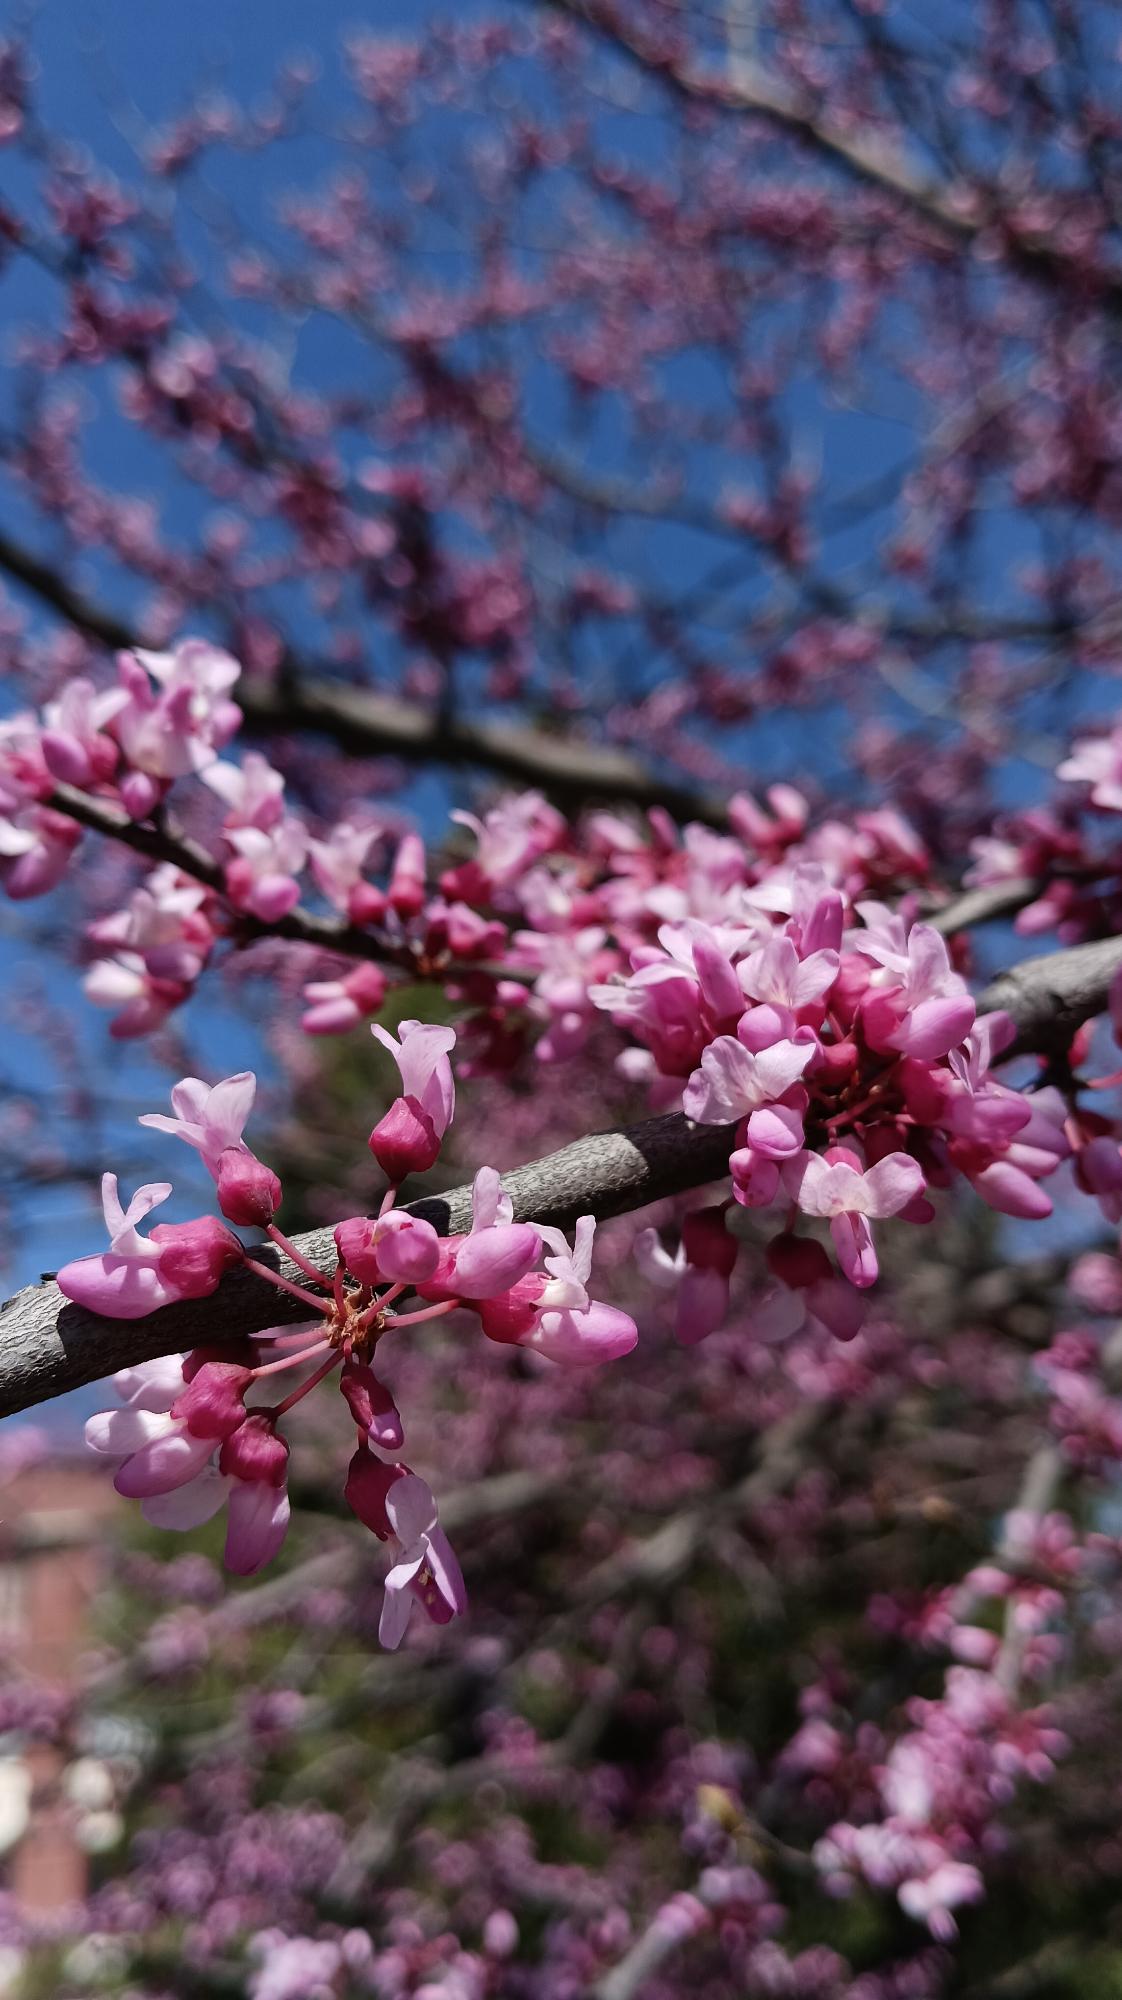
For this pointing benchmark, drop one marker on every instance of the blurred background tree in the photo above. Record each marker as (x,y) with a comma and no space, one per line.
(638,402)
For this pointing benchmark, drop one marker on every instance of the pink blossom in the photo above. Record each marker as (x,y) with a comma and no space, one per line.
(498,1251)
(36,845)
(406,891)
(255,1460)
(511,836)
(262,876)
(208,1117)
(132,1277)
(337,864)
(425,1569)
(408,1138)
(916,1003)
(252,792)
(779,975)
(75,747)
(837,1187)
(178,730)
(553,1314)
(1097,761)
(699,1272)
(731,1083)
(141,1000)
(340,1004)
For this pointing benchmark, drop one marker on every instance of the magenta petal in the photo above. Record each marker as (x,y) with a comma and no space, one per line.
(407,1248)
(446,1570)
(187,1506)
(892,1183)
(703,1301)
(775,1131)
(934,1027)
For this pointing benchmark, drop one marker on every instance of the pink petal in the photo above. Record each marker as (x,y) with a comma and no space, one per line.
(411,1509)
(853,1241)
(163,1465)
(892,1183)
(258,1523)
(492,1260)
(187,1506)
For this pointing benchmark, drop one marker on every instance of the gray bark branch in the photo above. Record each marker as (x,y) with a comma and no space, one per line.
(49,1345)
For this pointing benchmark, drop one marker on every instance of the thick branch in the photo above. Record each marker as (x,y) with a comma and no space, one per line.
(48,1345)
(1050,997)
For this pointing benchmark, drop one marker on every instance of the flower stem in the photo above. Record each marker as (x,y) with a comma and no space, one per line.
(312,1382)
(284,1243)
(290,1360)
(429,1312)
(285,1285)
(380,1303)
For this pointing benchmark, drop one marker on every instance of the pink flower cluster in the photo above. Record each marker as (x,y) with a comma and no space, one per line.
(198,1431)
(757,979)
(941,1786)
(848,1065)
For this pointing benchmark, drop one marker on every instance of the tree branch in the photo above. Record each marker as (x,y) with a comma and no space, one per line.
(48,1345)
(158,844)
(368,724)
(957,213)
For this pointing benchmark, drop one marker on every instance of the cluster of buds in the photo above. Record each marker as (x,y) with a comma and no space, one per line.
(198,1431)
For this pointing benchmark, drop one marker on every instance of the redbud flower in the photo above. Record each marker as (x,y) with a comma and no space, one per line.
(408,1139)
(839,1189)
(136,1275)
(255,1459)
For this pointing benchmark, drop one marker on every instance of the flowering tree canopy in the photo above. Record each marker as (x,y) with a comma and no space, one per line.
(600,598)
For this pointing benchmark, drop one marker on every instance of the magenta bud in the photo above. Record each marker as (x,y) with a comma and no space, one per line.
(194,1255)
(707,1242)
(367,1484)
(405,1141)
(798,1261)
(366,904)
(372,1406)
(140,793)
(354,1240)
(248,1191)
(65,757)
(213,1403)
(255,1452)
(408,1248)
(510,1317)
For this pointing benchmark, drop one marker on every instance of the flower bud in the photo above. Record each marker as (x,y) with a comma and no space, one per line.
(372,1406)
(248,1191)
(367,1484)
(798,1261)
(407,1248)
(255,1452)
(195,1255)
(213,1403)
(354,1240)
(405,1141)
